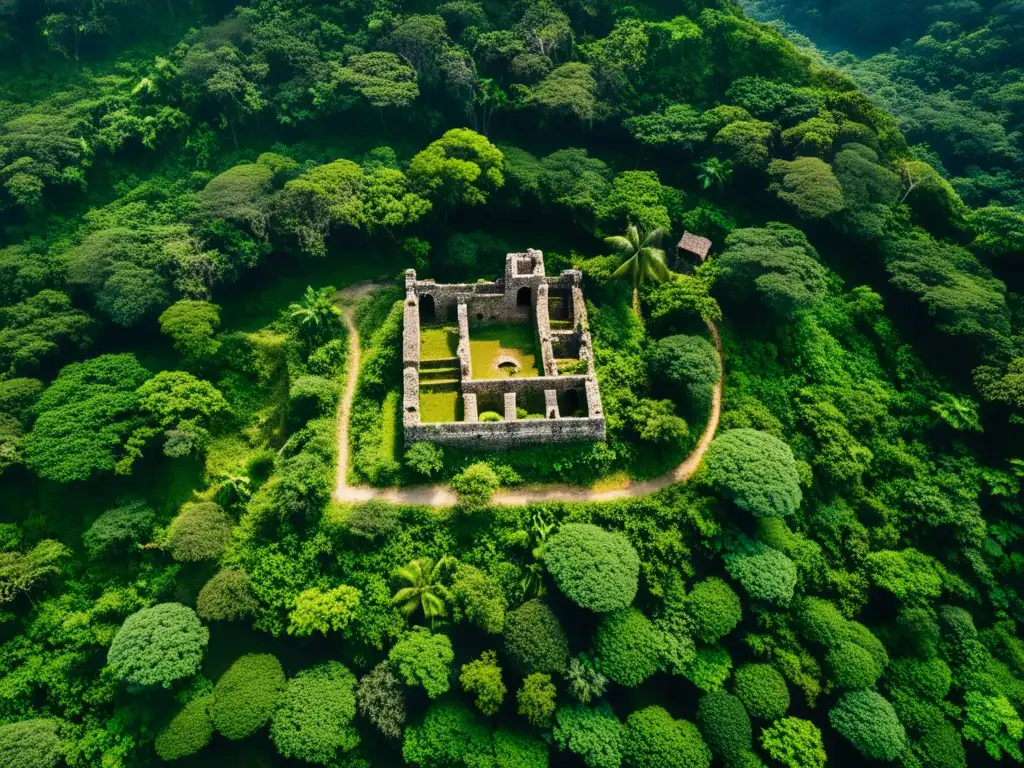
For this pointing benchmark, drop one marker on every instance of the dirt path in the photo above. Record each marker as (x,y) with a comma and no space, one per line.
(441,496)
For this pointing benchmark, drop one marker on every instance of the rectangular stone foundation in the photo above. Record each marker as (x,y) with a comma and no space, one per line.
(522,295)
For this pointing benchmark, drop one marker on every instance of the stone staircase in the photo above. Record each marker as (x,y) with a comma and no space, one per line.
(440,375)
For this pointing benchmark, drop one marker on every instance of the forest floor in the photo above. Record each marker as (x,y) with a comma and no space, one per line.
(442,496)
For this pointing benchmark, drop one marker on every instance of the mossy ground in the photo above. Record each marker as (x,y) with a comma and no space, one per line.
(488,343)
(440,406)
(438,342)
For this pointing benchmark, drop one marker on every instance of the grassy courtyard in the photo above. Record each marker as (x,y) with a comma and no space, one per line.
(436,407)
(488,344)
(438,342)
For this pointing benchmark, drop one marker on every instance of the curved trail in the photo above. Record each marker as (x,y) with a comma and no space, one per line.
(441,496)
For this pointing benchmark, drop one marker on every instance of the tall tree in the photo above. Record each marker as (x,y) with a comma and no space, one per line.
(424,591)
(642,258)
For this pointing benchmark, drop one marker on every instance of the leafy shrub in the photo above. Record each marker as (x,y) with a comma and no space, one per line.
(490,417)
(765,573)
(483,678)
(535,640)
(709,668)
(424,659)
(18,395)
(478,598)
(593,734)
(313,720)
(629,648)
(595,568)
(245,696)
(200,532)
(653,739)
(426,459)
(312,396)
(851,667)
(158,645)
(381,700)
(725,725)
(323,611)
(762,690)
(328,360)
(514,749)
(713,610)
(537,699)
(795,743)
(31,744)
(226,597)
(119,528)
(449,735)
(869,722)
(188,732)
(475,485)
(754,470)
(686,368)
(372,521)
(191,325)
(821,622)
(942,747)
(586,681)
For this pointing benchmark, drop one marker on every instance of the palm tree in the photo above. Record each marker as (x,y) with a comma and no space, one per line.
(714,172)
(642,258)
(315,311)
(424,591)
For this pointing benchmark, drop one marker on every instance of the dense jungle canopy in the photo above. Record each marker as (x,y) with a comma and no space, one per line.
(187,188)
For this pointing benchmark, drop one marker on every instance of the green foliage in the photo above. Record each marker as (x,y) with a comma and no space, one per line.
(460,167)
(312,396)
(246,695)
(482,677)
(313,718)
(381,699)
(993,723)
(595,734)
(191,325)
(686,368)
(31,744)
(851,667)
(201,531)
(754,470)
(535,640)
(795,743)
(122,528)
(85,416)
(450,734)
(594,568)
(188,731)
(653,739)
(638,198)
(158,645)
(479,598)
(423,659)
(725,725)
(21,571)
(536,699)
(424,591)
(227,596)
(762,690)
(629,648)
(868,722)
(382,78)
(323,611)
(808,185)
(713,610)
(777,262)
(514,749)
(36,328)
(475,485)
(426,459)
(765,572)
(708,669)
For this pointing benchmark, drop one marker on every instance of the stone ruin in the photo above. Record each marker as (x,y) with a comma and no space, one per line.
(524,295)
